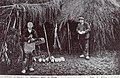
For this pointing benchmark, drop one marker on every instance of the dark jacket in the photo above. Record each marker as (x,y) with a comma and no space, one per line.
(26,34)
(84,27)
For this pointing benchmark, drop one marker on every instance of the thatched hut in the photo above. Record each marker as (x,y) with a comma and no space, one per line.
(103,17)
(13,21)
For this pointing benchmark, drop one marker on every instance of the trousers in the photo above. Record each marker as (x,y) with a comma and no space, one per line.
(84,44)
(28,61)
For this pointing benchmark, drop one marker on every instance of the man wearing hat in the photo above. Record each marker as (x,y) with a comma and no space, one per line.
(83,30)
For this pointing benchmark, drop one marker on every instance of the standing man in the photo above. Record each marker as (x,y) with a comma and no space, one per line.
(83,30)
(29,36)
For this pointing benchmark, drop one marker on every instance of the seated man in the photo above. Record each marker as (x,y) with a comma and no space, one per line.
(30,38)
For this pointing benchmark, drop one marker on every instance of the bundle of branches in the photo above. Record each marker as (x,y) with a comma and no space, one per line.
(44,11)
(9,2)
(99,14)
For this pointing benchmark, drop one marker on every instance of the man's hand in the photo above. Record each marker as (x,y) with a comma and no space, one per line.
(28,41)
(32,39)
(83,32)
(30,36)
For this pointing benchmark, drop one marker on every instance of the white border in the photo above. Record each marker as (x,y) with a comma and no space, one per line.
(54,76)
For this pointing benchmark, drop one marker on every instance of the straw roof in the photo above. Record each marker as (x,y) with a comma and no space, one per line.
(44,12)
(10,2)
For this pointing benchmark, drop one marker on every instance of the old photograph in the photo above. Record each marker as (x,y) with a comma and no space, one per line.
(59,37)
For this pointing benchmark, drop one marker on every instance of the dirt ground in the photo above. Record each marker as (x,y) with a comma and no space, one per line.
(74,65)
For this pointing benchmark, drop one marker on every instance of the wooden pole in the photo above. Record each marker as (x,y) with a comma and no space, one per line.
(69,35)
(55,35)
(48,50)
(19,40)
(20,21)
(56,39)
(14,23)
(59,45)
(7,6)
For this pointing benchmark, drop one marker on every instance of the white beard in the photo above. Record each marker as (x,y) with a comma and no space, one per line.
(29,30)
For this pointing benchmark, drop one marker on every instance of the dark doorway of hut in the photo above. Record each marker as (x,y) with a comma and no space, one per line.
(68,37)
(73,41)
(53,38)
(52,44)
(72,36)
